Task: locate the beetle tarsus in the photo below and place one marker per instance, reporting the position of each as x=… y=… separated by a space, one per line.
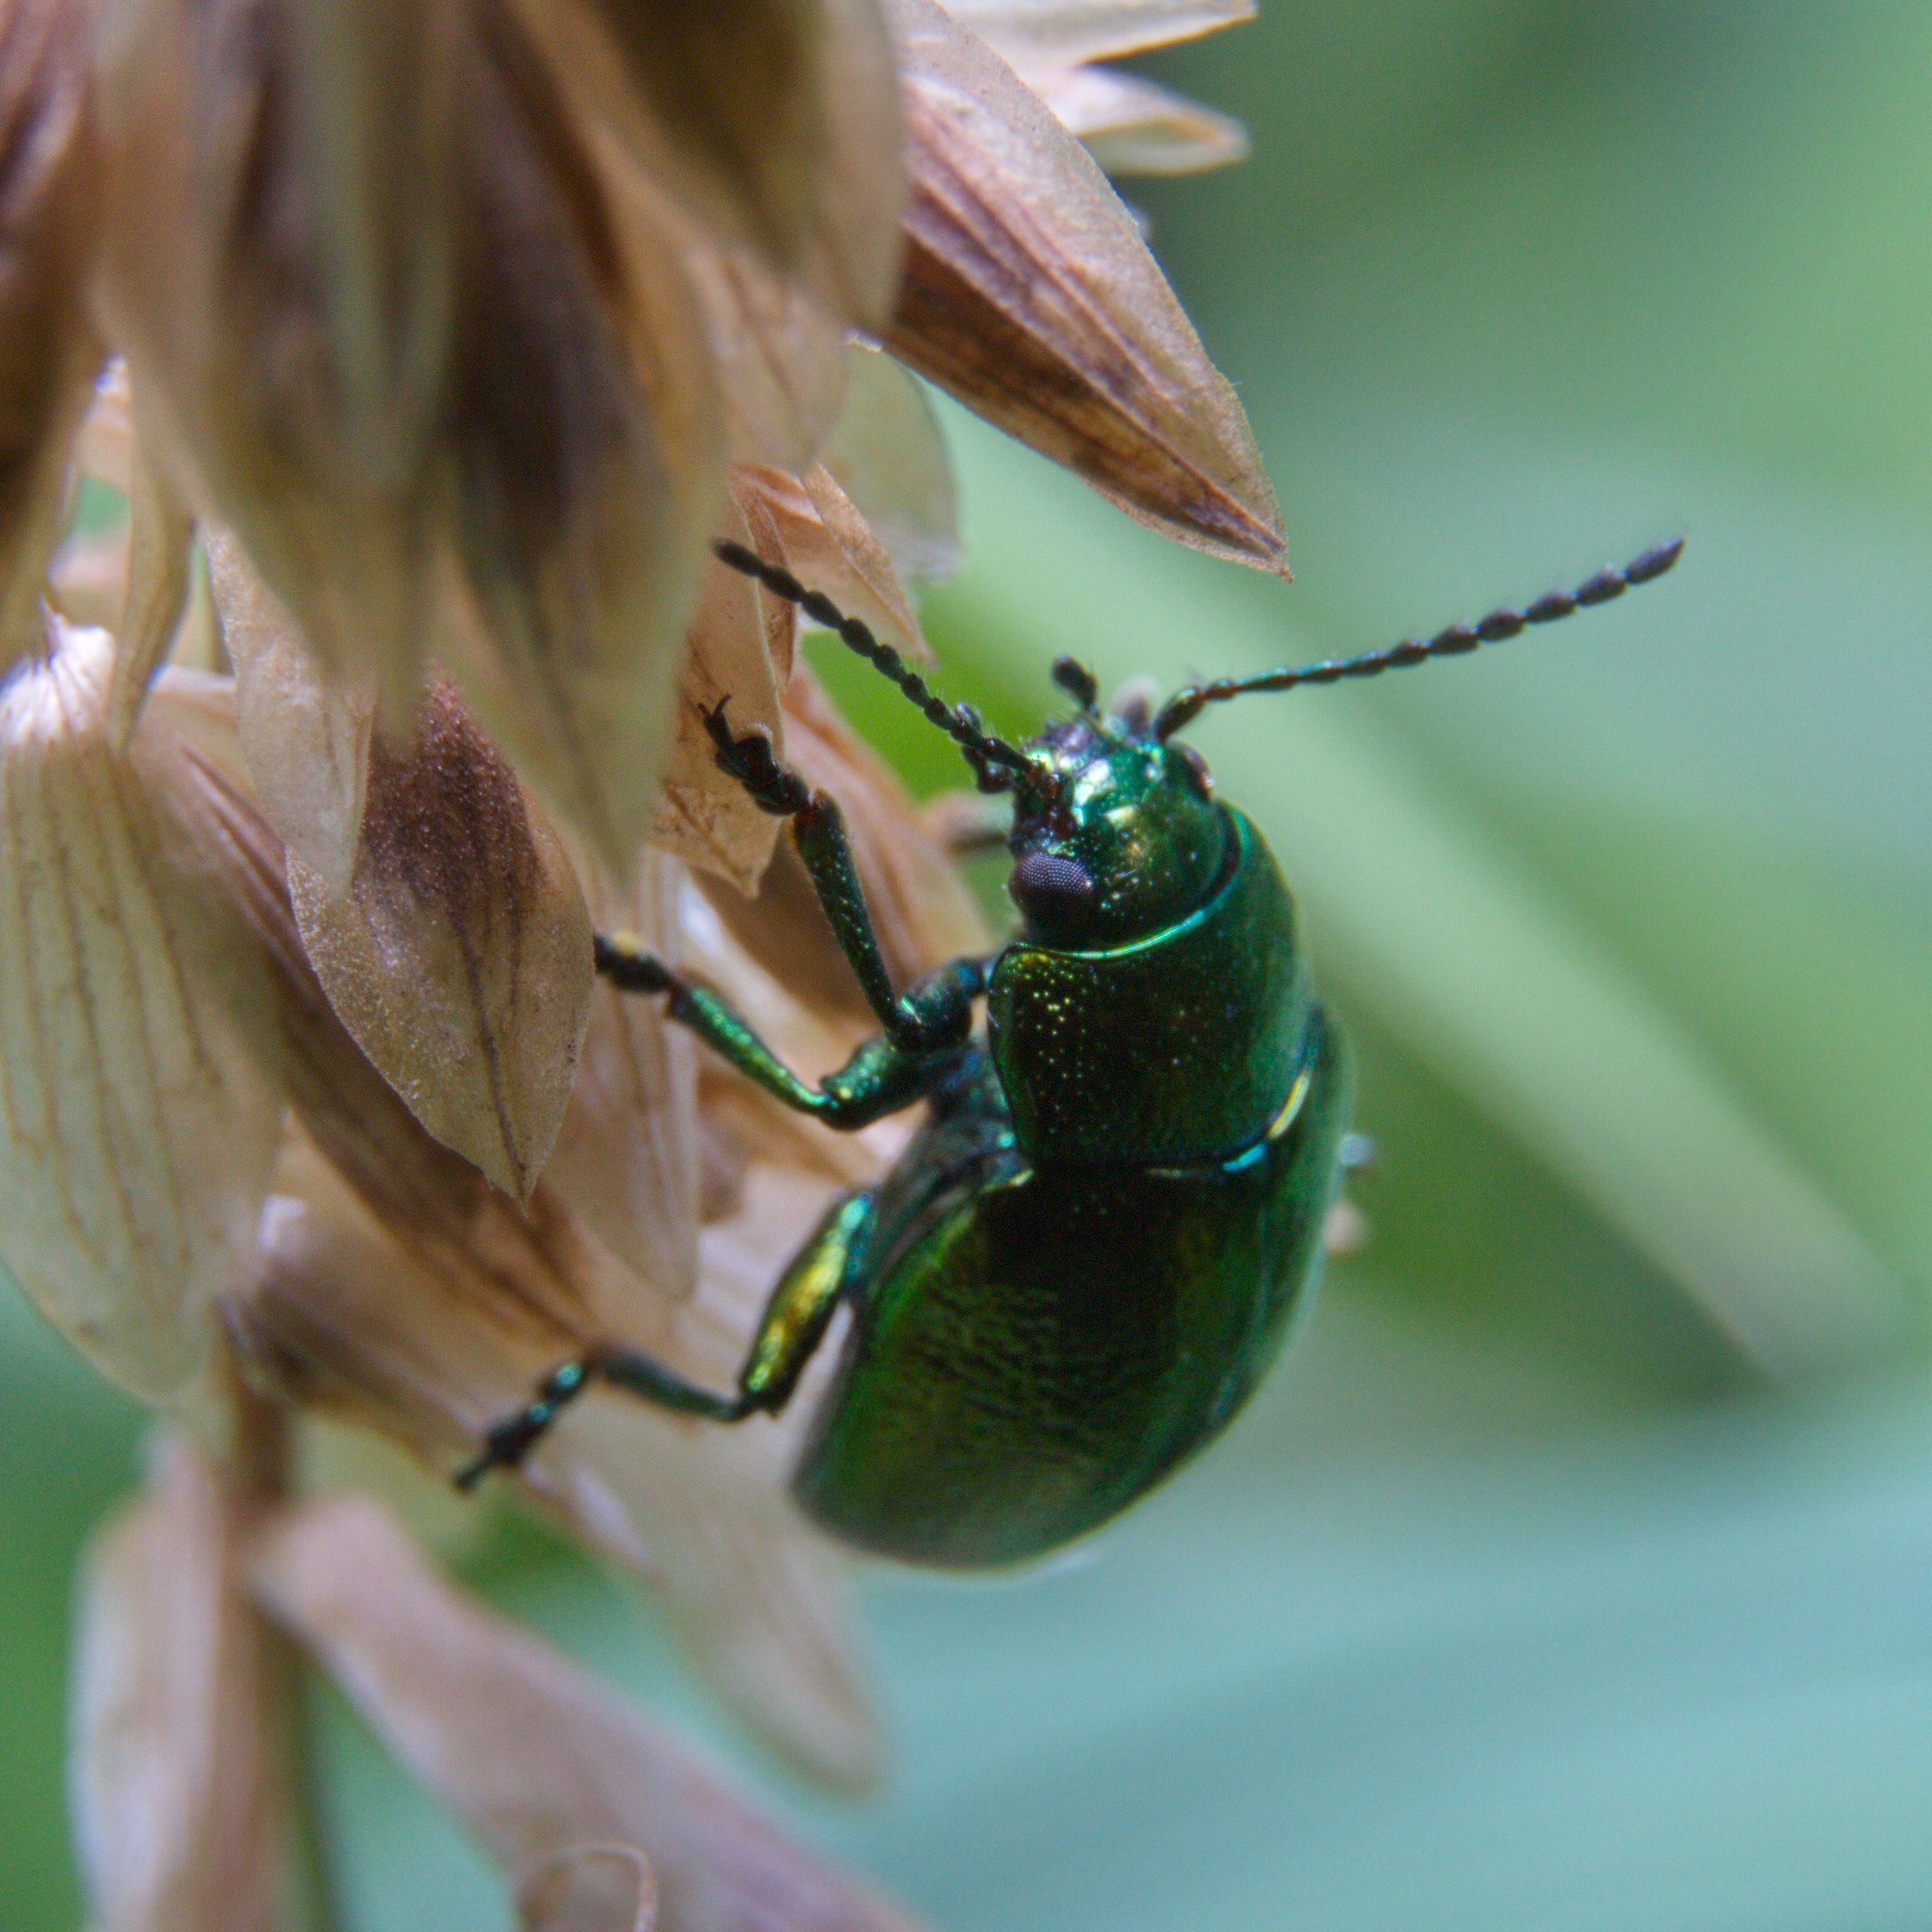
x=748 y=758
x=507 y=1443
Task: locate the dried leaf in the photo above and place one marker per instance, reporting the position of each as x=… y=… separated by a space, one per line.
x=306 y=737
x=49 y=186
x=589 y=457
x=176 y=1777
x=922 y=914
x=537 y=1758
x=460 y=959
x=776 y=122
x=139 y=1129
x=1029 y=295
x=1034 y=34
x=1131 y=127
x=160 y=530
x=886 y=453
x=592 y=1888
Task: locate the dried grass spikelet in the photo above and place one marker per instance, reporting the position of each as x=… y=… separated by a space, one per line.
x=1030 y=294
x=537 y=1759
x=460 y=957
x=453 y=313
x=49 y=188
x=588 y=455
x=305 y=737
x=192 y=1602
x=397 y=1286
x=776 y=123
x=160 y=528
x=407 y=309
x=1130 y=126
x=740 y=656
x=808 y=522
x=179 y=1777
x=139 y=1117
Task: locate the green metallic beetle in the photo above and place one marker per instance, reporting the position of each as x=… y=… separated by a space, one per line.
x=1091 y=1253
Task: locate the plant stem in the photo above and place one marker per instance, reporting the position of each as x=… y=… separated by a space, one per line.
x=261 y=1467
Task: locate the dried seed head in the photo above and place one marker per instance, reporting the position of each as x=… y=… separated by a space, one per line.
x=1030 y=294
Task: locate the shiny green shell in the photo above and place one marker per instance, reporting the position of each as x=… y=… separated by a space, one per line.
x=1090 y=1256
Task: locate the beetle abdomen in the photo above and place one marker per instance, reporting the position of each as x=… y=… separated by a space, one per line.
x=1035 y=1355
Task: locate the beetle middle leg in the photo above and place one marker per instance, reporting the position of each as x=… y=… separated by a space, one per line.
x=793 y=1324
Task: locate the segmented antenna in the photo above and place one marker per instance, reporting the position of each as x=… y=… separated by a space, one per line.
x=987 y=754
x=1077 y=681
x=1187 y=704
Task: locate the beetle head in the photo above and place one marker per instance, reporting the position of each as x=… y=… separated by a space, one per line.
x=1127 y=842
x=1115 y=833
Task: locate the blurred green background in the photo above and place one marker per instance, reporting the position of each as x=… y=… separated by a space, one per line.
x=1577 y=1570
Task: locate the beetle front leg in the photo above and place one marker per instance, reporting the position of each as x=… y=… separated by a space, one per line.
x=793 y=1324
x=881 y=1077
x=926 y=1020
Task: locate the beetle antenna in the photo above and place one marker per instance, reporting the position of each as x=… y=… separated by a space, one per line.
x=1077 y=681
x=997 y=765
x=1187 y=704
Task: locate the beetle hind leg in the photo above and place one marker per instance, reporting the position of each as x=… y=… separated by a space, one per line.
x=793 y=1324
x=506 y=1443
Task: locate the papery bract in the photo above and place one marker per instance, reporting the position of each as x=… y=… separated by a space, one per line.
x=1030 y=294
x=139 y=1122
x=536 y=1757
x=305 y=736
x=50 y=184
x=178 y=1783
x=886 y=453
x=776 y=122
x=460 y=956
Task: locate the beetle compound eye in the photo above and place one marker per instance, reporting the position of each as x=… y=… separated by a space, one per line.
x=1049 y=889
